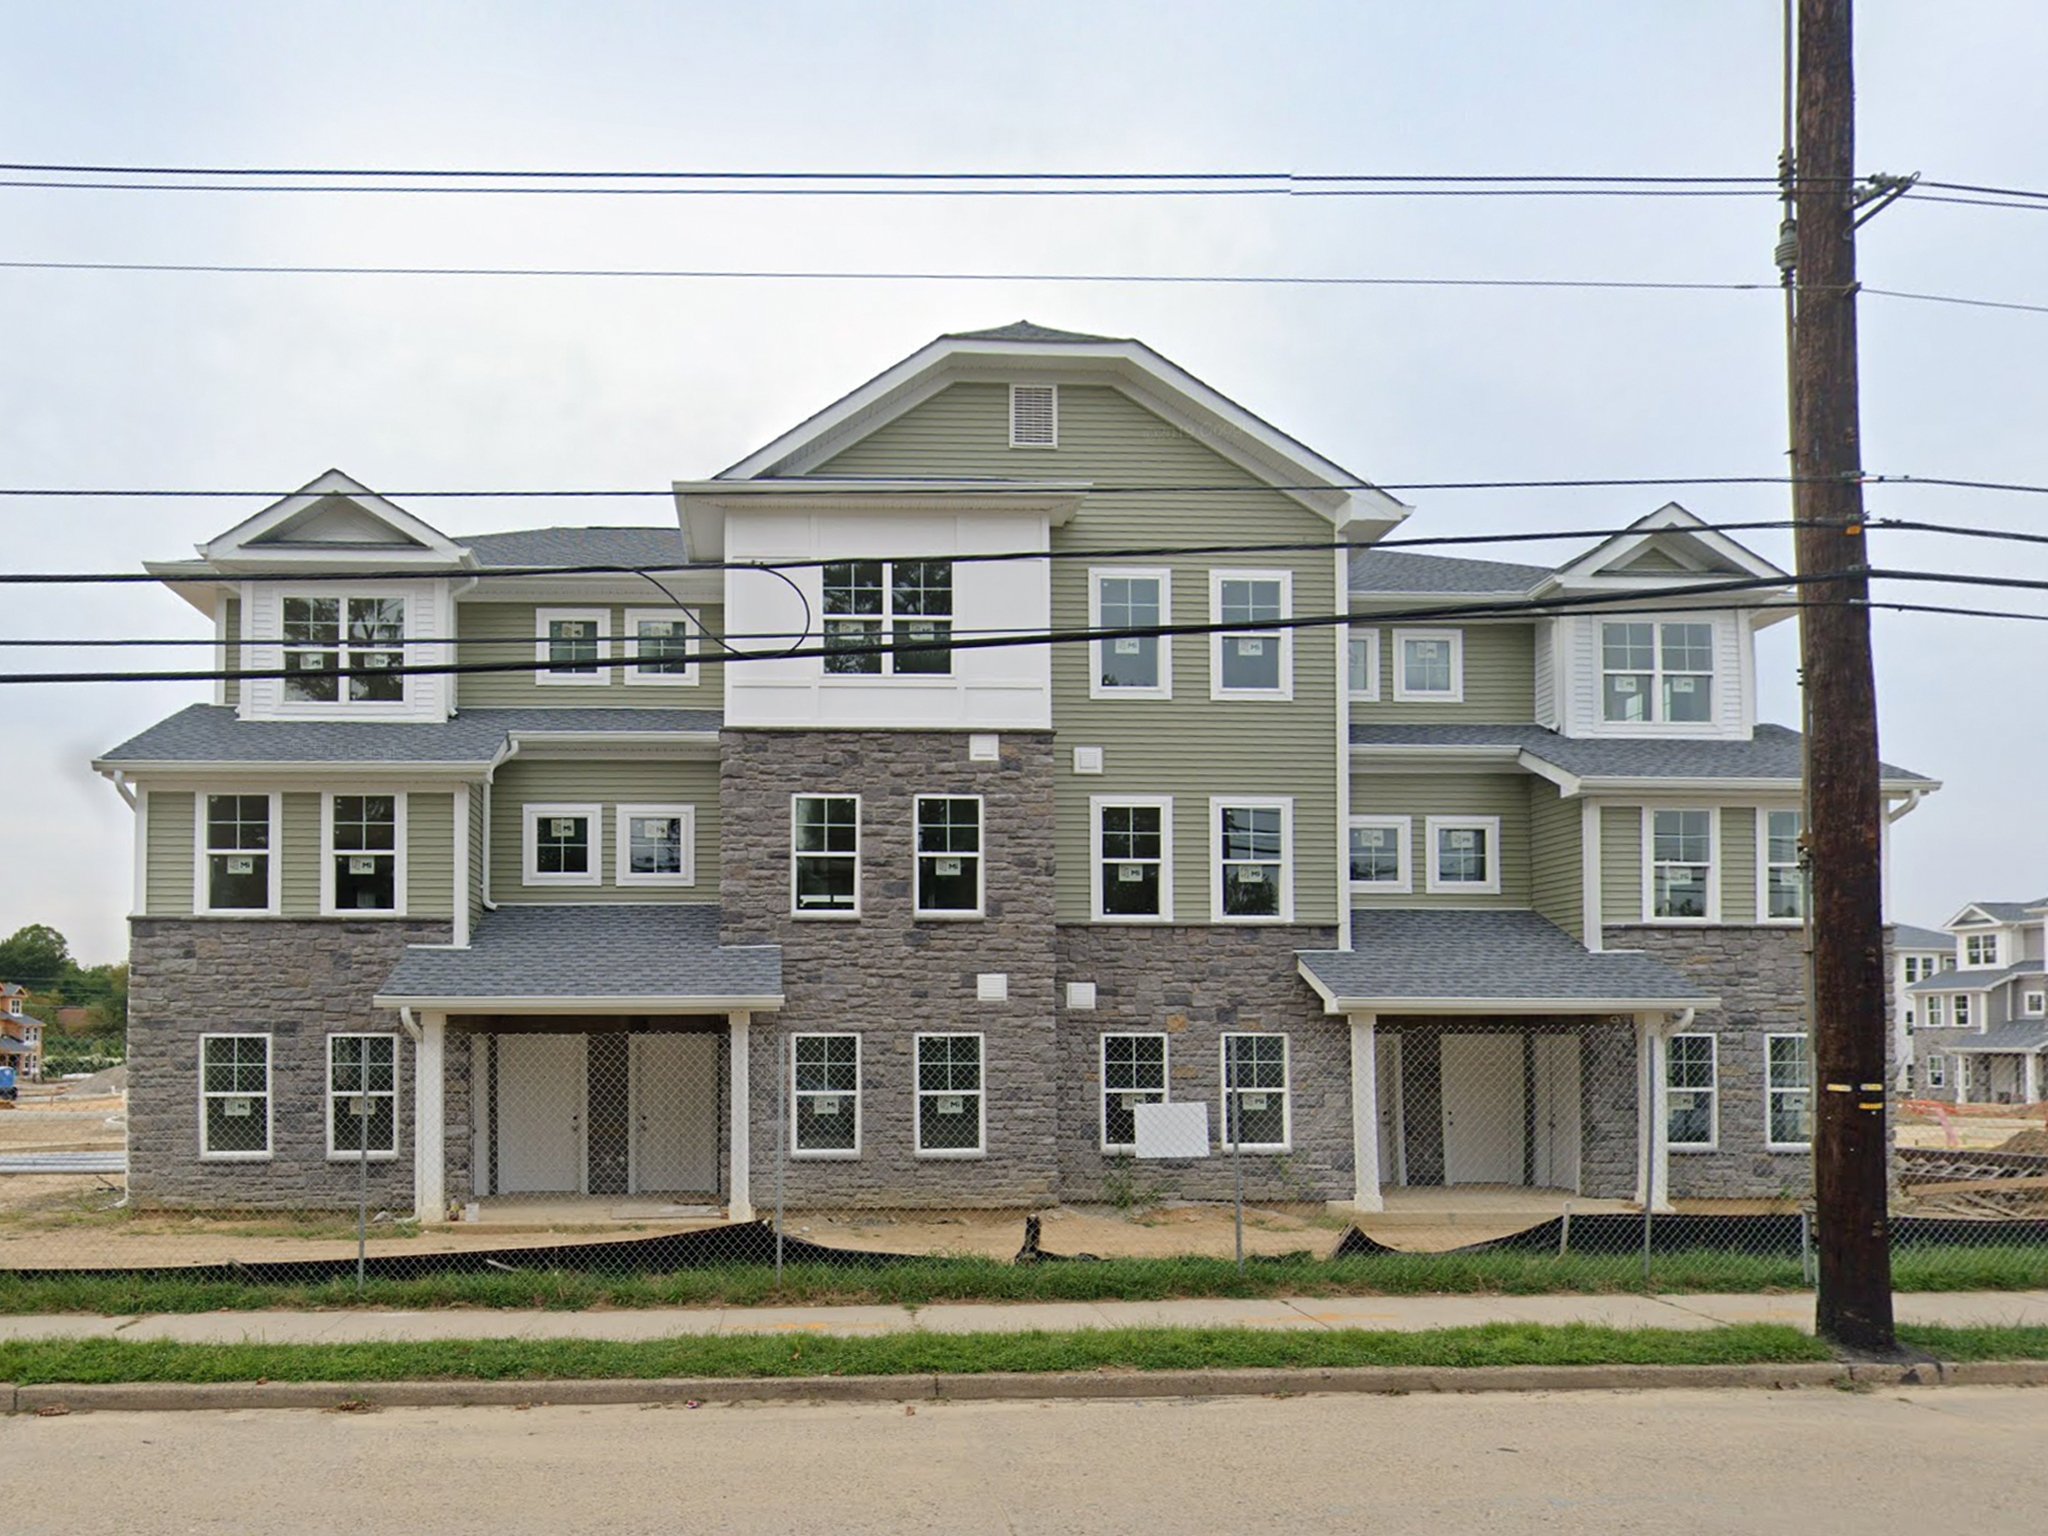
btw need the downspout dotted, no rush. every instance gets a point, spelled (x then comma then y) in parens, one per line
(121, 786)
(411, 1024)
(490, 778)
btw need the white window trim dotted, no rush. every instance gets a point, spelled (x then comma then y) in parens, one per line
(530, 815)
(1286, 1143)
(622, 845)
(1961, 1012)
(1096, 805)
(409, 654)
(352, 1154)
(275, 854)
(1055, 390)
(1937, 1070)
(2033, 1004)
(951, 914)
(920, 1094)
(1658, 672)
(1490, 825)
(542, 657)
(1764, 868)
(1714, 863)
(1370, 694)
(269, 1151)
(1164, 576)
(629, 648)
(1103, 1090)
(1284, 804)
(1285, 637)
(1713, 1141)
(327, 857)
(1812, 1095)
(821, 914)
(1403, 694)
(831, 1154)
(885, 624)
(1404, 884)
(1997, 951)
(1935, 1011)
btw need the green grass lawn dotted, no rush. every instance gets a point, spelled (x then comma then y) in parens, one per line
(915, 1284)
(1128, 1349)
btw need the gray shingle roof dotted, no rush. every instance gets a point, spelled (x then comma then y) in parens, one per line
(2009, 911)
(1488, 958)
(2028, 1036)
(1978, 980)
(598, 950)
(1025, 330)
(210, 733)
(1912, 936)
(1772, 753)
(578, 546)
(1396, 570)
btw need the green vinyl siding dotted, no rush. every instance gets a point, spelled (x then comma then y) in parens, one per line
(1738, 864)
(1500, 678)
(1188, 746)
(1556, 865)
(429, 855)
(584, 781)
(1621, 864)
(300, 872)
(231, 689)
(171, 858)
(501, 632)
(1420, 796)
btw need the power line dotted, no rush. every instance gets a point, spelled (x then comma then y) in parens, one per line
(1604, 602)
(1949, 186)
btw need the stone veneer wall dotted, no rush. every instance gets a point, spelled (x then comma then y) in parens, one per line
(1194, 984)
(1760, 976)
(298, 982)
(887, 975)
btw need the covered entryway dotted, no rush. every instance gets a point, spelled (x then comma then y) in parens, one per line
(537, 1143)
(1484, 1102)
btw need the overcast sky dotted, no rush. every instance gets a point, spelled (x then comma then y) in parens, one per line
(264, 381)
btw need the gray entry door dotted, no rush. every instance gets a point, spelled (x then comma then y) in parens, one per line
(675, 1114)
(1557, 1111)
(1484, 1102)
(541, 1096)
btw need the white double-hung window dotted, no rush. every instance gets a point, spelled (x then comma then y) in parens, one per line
(1130, 666)
(875, 610)
(949, 863)
(362, 1096)
(825, 1093)
(1980, 949)
(563, 844)
(1132, 871)
(1133, 1073)
(1251, 660)
(1254, 860)
(656, 845)
(1256, 1113)
(824, 855)
(1656, 673)
(1429, 666)
(572, 646)
(1788, 1091)
(364, 869)
(238, 839)
(1692, 1092)
(1678, 853)
(951, 1107)
(1784, 883)
(234, 1097)
(1362, 665)
(342, 649)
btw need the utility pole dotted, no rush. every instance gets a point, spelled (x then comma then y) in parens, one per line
(1844, 810)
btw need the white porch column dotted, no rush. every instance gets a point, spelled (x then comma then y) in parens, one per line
(2032, 1061)
(1365, 1113)
(1962, 1077)
(429, 1171)
(1653, 1113)
(741, 1203)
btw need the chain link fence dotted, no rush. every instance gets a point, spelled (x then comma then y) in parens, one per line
(612, 1160)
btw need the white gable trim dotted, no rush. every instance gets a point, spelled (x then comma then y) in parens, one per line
(241, 544)
(1597, 567)
(1149, 379)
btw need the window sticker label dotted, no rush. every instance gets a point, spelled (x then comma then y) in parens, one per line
(237, 1109)
(360, 866)
(947, 866)
(1251, 647)
(825, 1104)
(1682, 684)
(1255, 1101)
(1624, 685)
(1128, 645)
(952, 1104)
(1130, 874)
(561, 826)
(242, 866)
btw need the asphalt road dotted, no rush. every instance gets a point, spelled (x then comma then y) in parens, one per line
(1811, 1462)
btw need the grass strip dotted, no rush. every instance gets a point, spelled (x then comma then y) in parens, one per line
(1964, 1344)
(968, 1279)
(74, 1361)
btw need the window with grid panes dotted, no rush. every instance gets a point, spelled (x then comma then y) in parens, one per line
(949, 1093)
(1132, 855)
(948, 855)
(898, 603)
(362, 1095)
(826, 1085)
(1133, 1073)
(327, 637)
(237, 854)
(825, 853)
(364, 852)
(234, 1095)
(1251, 843)
(1690, 1091)
(1255, 1091)
(1681, 863)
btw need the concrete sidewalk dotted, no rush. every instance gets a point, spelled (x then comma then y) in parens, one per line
(1404, 1314)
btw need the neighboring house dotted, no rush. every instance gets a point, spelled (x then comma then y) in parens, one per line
(1982, 1026)
(1916, 955)
(21, 1033)
(1401, 901)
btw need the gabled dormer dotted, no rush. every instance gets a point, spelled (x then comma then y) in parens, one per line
(1661, 661)
(334, 588)
(1991, 935)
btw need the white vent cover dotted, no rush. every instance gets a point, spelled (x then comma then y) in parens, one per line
(1087, 759)
(992, 987)
(1034, 415)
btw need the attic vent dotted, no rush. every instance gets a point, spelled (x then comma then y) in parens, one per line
(1034, 416)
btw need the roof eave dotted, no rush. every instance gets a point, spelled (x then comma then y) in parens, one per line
(763, 1002)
